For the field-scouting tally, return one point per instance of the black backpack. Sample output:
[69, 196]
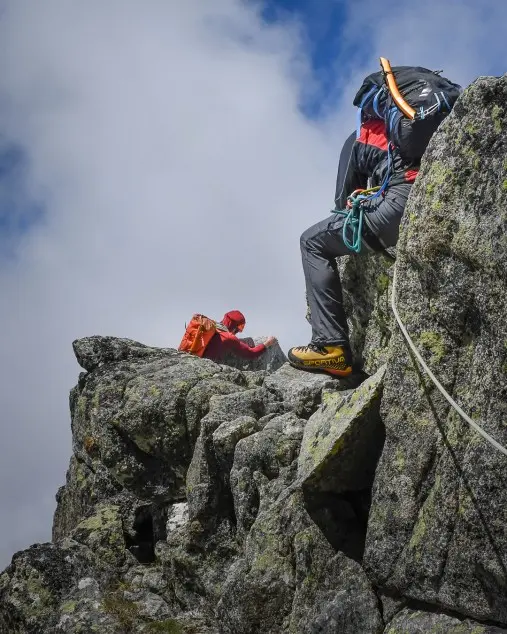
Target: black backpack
[425, 91]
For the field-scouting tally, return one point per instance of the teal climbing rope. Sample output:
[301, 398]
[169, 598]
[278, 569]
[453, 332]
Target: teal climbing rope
[354, 214]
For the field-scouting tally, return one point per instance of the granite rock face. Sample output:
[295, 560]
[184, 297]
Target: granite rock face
[366, 281]
[241, 498]
[343, 439]
[291, 580]
[438, 525]
[419, 622]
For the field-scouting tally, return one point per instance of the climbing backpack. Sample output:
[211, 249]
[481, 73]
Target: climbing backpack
[198, 334]
[411, 100]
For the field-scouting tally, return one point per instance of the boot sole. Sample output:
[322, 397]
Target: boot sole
[334, 372]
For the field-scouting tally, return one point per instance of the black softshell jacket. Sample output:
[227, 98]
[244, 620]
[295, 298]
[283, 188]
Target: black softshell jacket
[365, 157]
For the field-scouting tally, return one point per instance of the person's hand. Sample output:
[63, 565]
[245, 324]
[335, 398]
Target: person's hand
[270, 341]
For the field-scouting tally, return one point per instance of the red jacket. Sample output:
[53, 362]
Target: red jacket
[224, 342]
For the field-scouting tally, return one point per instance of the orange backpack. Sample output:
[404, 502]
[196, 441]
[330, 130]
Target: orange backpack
[198, 334]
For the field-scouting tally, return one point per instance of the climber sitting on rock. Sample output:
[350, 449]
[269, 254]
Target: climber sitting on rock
[360, 159]
[375, 175]
[216, 340]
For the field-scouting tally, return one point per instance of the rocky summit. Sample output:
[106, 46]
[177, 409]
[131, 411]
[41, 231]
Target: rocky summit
[259, 499]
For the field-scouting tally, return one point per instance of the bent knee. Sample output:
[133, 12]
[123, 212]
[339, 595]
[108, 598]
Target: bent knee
[307, 239]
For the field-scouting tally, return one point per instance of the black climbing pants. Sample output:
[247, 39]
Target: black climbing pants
[322, 243]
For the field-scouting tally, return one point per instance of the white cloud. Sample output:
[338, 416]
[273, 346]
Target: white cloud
[165, 140]
[177, 174]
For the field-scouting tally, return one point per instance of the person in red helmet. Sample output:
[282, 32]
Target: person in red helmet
[225, 341]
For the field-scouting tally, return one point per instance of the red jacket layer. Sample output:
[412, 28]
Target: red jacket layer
[224, 342]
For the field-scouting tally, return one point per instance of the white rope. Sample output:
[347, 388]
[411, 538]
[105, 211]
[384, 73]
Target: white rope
[453, 403]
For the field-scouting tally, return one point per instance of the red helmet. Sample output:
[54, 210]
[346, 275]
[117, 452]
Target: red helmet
[234, 321]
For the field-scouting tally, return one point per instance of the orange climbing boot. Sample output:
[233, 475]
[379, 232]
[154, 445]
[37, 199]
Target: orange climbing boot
[335, 360]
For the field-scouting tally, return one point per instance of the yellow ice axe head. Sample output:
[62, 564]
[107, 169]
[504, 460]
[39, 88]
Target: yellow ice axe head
[407, 110]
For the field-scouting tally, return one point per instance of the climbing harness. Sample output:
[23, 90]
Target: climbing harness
[439, 386]
[354, 214]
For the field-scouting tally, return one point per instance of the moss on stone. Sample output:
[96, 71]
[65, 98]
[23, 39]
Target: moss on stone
[438, 174]
[126, 612]
[41, 600]
[103, 533]
[145, 443]
[96, 399]
[382, 282]
[418, 533]
[105, 517]
[432, 341]
[496, 115]
[420, 529]
[81, 406]
[331, 399]
[68, 607]
[471, 129]
[80, 476]
[399, 460]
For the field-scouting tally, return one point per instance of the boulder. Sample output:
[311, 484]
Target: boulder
[40, 579]
[437, 530]
[272, 453]
[103, 534]
[131, 434]
[207, 483]
[291, 580]
[299, 391]
[93, 352]
[343, 440]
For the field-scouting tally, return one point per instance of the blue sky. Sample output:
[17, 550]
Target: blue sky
[323, 26]
[144, 142]
[340, 35]
[18, 210]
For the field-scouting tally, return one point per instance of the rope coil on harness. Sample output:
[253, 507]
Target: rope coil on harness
[354, 218]
[355, 214]
[437, 383]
